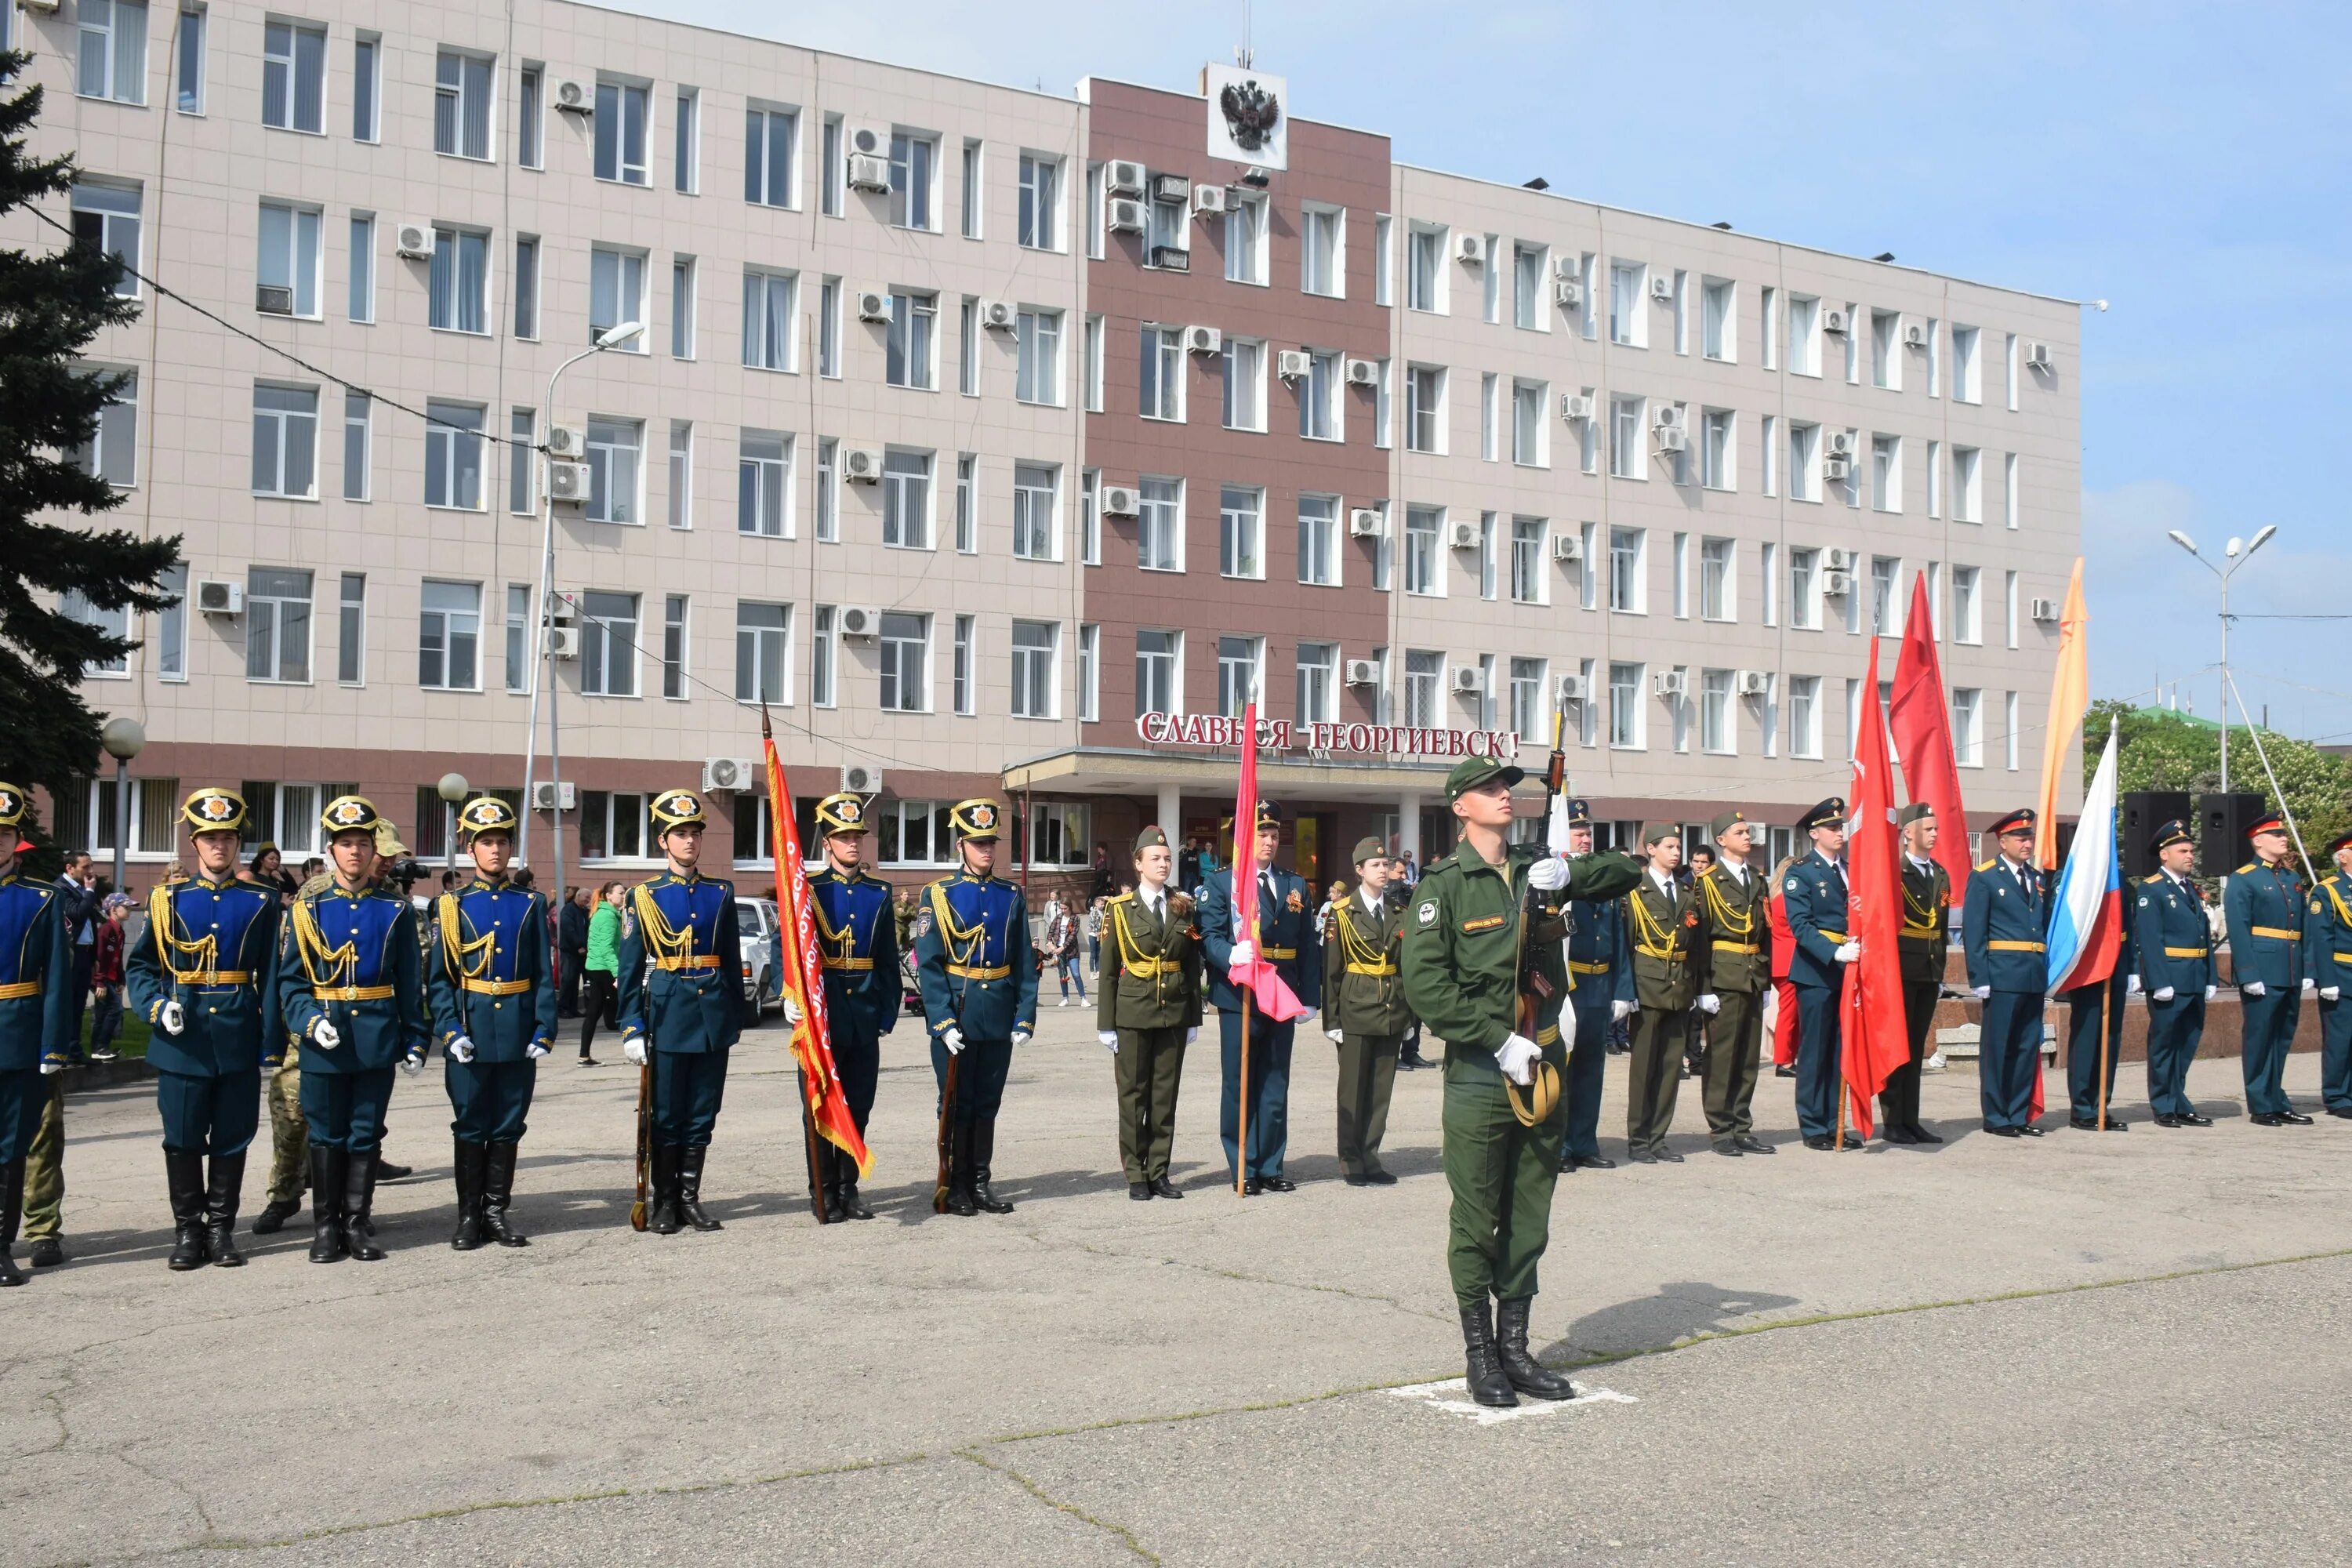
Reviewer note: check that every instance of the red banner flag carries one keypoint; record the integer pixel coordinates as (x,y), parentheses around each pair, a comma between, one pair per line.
(1876,1039)
(1259,977)
(804,977)
(1921,724)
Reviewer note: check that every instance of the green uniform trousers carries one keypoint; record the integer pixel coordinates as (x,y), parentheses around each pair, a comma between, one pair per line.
(1655,1081)
(1149,1069)
(45,1168)
(1501,1175)
(289,1135)
(1367,1064)
(1735,1045)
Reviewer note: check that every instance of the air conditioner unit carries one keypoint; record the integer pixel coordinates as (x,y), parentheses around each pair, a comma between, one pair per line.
(546,795)
(1203,340)
(1567,293)
(1661,288)
(1575,406)
(999,315)
(1567,547)
(860,778)
(1363,672)
(1839,560)
(567,483)
(2044,609)
(414,241)
(1171,188)
(1840,442)
(1667,416)
(2037,357)
(575,97)
(869,141)
(561,641)
(1837,466)
(1470,248)
(1463,536)
(873,305)
(1466,679)
(1832,318)
(273,299)
(861,464)
(1915,336)
(1169,258)
(867,172)
(1363,372)
(1127,216)
(1125,177)
(860,623)
(1669,682)
(1211,199)
(1120,501)
(216,597)
(565,442)
(1572,689)
(1672,438)
(740,774)
(1837,584)
(1294,363)
(1366,522)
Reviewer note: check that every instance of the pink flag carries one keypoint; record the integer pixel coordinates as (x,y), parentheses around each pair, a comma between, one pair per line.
(1259,977)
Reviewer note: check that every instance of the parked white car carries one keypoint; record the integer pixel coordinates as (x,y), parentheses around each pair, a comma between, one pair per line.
(755,924)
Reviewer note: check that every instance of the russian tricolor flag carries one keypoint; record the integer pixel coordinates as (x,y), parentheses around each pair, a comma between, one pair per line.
(2087,917)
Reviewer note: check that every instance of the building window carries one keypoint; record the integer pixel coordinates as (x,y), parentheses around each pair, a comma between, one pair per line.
(520,656)
(768,321)
(1717,325)
(681,473)
(285,441)
(1968,726)
(1160,525)
(911,171)
(763,640)
(1716,450)
(1319,540)
(1036,654)
(1717,559)
(974,188)
(1038,378)
(833,168)
(172,624)
(106,219)
(1162,362)
(1040,226)
(461,106)
(112,451)
(458,281)
(112,62)
(1967,485)
(1089,673)
(74,604)
(824,644)
(188,66)
(1425,408)
(907,499)
(1885,350)
(828,328)
(1487,564)
(1318,397)
(1244,367)
(1715,712)
(277,624)
(1967,610)
(1159,659)
(526,287)
(1628,575)
(1424,527)
(910,341)
(357,408)
(1935,478)
(1628,307)
(360,304)
(1529,710)
(1805,589)
(685,159)
(1425,676)
(614,825)
(1319,685)
(615,449)
(1530,271)
(351,628)
(449,635)
(1241,531)
(521,428)
(530,134)
(1036,500)
(673,642)
(1529,449)
(2009,739)
(617,294)
(905,646)
(763,484)
(1805,716)
(967,504)
(1168,236)
(608,645)
(620,117)
(1237,673)
(2009,498)
(828,490)
(1804,465)
(1885,585)
(769,136)
(1886,473)
(1968,373)
(1424,269)
(681,307)
(1804,335)
(1625,438)
(1935,358)
(1322,250)
(1245,240)
(289,257)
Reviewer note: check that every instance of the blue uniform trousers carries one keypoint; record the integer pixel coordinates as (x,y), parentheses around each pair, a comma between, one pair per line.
(1820,1053)
(2089,1010)
(857,1059)
(214,1116)
(23,1097)
(2173,1030)
(2336,1049)
(2009,1057)
(489,1099)
(687,1088)
(346,1110)
(1585,1062)
(2270,1021)
(1269,1071)
(981,1068)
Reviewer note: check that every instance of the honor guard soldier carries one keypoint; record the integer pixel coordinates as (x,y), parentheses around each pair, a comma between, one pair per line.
(979,977)
(2263,903)
(1147,1010)
(1813,893)
(203,975)
(1364,1006)
(1923,941)
(857,937)
(2327,959)
(35,1016)
(350,990)
(1466,937)
(1285,937)
(2003,920)
(1600,967)
(1662,915)
(2176,971)
(493,991)
(682,999)
(1733,958)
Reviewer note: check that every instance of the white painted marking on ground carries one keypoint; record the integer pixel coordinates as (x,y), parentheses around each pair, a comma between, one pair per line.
(1453,1397)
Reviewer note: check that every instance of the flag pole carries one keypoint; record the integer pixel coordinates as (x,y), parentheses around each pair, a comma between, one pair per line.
(1241,1162)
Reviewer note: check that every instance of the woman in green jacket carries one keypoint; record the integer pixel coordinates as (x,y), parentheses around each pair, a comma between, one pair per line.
(601,967)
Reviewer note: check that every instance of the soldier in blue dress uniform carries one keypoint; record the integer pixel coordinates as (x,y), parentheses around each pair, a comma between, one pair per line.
(2175,949)
(1600,967)
(350,990)
(204,975)
(2003,923)
(2327,961)
(858,936)
(682,999)
(1813,891)
(35,1016)
(979,978)
(493,992)
(2263,903)
(1285,937)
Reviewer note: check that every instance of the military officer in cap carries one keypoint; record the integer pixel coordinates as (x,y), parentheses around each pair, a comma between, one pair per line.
(1661,914)
(1813,893)
(350,990)
(493,990)
(978,972)
(681,1001)
(1147,1010)
(1365,1012)
(2263,903)
(1732,955)
(1286,938)
(2003,920)
(203,975)
(2327,959)
(2174,948)
(1467,934)
(1601,968)
(858,939)
(1923,939)
(35,1016)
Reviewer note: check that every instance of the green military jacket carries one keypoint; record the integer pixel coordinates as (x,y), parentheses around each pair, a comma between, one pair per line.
(1462,945)
(1363,990)
(1926,931)
(1150,976)
(1735,934)
(1663,928)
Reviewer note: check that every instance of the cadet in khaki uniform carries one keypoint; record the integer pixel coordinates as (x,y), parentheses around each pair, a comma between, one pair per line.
(1733,958)
(1662,916)
(1147,1010)
(290,1145)
(1364,1007)
(1463,948)
(1925,939)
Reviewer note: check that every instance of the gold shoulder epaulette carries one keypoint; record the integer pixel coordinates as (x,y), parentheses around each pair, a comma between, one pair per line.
(1986,867)
(2243,869)
(2152,880)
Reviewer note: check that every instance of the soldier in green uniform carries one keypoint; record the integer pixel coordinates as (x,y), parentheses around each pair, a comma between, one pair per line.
(1147,1010)
(1661,917)
(290,1145)
(1924,940)
(1364,1008)
(1733,957)
(1466,936)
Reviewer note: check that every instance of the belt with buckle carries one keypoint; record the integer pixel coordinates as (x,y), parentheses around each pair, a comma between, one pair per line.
(19,989)
(1374,969)
(1577,966)
(1738,947)
(2017,947)
(973,971)
(852,964)
(2197,953)
(2273,931)
(352,993)
(500,987)
(693,961)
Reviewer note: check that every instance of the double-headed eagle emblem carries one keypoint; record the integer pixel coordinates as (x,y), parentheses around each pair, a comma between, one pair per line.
(1251,114)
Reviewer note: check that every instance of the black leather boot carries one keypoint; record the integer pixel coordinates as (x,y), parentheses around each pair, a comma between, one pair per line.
(1528,1375)
(221,1195)
(689,1190)
(498,1193)
(468,1159)
(11,1213)
(828,1182)
(1488,1384)
(983,1153)
(184,1175)
(326,1203)
(960,1198)
(846,1169)
(359,1206)
(662,1219)
(275,1213)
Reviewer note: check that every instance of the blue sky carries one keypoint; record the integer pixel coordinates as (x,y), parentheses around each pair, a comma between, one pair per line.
(2187,164)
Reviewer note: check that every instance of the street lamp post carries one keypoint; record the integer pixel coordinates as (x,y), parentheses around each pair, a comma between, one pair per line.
(452,790)
(123,740)
(2237,554)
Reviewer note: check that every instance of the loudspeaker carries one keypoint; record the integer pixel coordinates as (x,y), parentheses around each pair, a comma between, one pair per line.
(2221,824)
(2145,811)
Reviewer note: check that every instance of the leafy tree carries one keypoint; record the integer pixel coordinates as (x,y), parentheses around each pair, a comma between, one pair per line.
(2163,750)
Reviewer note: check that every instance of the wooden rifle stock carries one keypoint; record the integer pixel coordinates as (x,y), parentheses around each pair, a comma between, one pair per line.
(645,1139)
(947,1135)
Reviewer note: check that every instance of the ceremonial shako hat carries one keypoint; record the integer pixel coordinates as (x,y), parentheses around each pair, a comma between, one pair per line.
(1657,830)
(975,821)
(212,809)
(1371,849)
(843,813)
(1268,812)
(487,814)
(1915,811)
(2018,821)
(12,806)
(349,814)
(1580,812)
(2268,822)
(676,808)
(1827,814)
(1150,839)
(1727,822)
(1475,773)
(2173,832)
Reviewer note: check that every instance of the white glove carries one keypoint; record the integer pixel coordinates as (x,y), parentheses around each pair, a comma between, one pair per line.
(1191,1033)
(1620,1011)
(1710,1004)
(413,1063)
(1518,1055)
(1244,952)
(1110,1040)
(1020,1037)
(2164,993)
(49,1066)
(2309,985)
(535,1050)
(460,1050)
(792,1013)
(635,1049)
(1548,875)
(1983,992)
(325,1035)
(2252,988)
(2212,991)
(952,1039)
(2131,984)
(1336,1036)
(2330,993)
(173,1017)
(1849,952)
